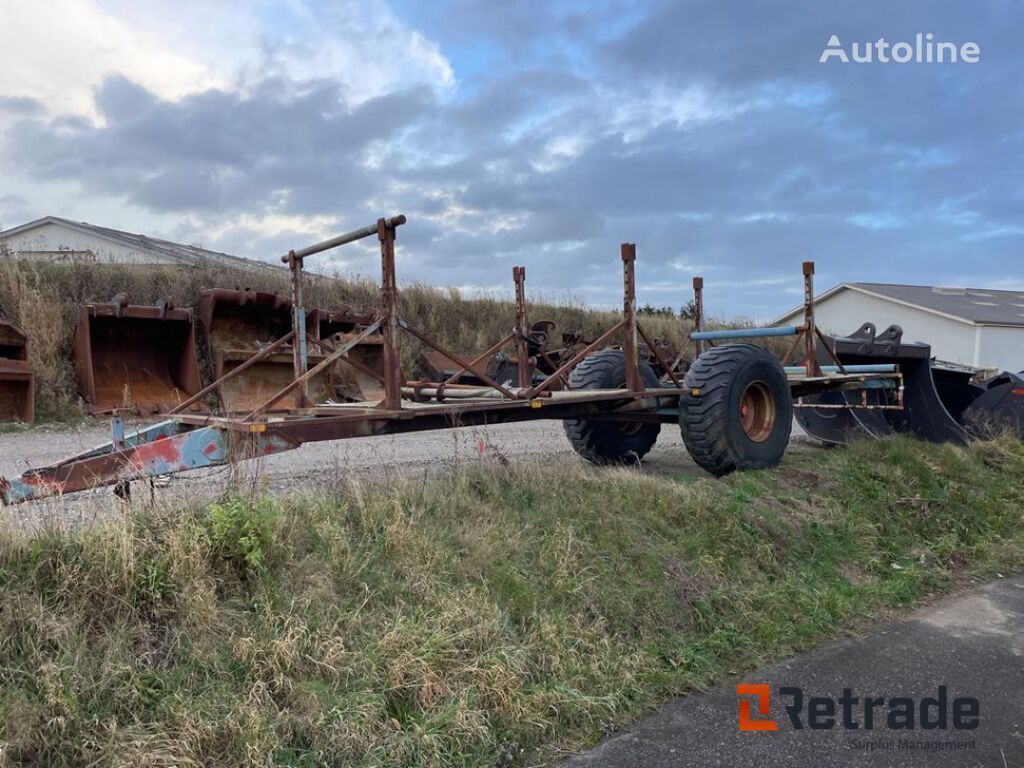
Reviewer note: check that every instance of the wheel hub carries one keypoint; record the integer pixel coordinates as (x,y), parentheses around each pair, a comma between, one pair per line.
(757,412)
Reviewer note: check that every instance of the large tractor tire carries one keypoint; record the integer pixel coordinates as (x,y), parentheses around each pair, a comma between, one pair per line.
(610,442)
(738,410)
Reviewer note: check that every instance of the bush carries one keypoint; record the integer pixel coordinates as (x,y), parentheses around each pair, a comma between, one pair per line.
(241,533)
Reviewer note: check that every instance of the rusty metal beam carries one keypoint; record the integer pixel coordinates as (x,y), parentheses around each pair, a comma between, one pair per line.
(810,336)
(634,382)
(698,312)
(319,368)
(479,358)
(829,348)
(389,317)
(348,237)
(350,361)
(454,358)
(537,389)
(299,351)
(260,355)
(522,347)
(657,356)
(791,350)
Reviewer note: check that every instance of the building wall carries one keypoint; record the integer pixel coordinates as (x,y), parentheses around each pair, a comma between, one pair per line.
(1001,347)
(53,242)
(844,312)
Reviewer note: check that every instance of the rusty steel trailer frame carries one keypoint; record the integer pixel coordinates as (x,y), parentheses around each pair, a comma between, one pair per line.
(188,441)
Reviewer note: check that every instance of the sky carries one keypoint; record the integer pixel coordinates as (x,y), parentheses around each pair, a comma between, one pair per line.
(534,133)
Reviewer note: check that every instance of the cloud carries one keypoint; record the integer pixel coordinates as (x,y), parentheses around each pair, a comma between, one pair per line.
(531,134)
(55,52)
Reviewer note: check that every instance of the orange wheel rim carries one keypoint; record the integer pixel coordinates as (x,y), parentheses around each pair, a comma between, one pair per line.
(757,412)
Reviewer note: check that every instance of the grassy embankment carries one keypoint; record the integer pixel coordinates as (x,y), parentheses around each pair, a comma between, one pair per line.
(44,300)
(473,618)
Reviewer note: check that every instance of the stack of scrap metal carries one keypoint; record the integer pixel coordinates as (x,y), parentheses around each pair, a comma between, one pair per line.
(17,381)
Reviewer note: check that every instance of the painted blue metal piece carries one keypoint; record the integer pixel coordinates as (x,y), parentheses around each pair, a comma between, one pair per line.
(144,435)
(878,384)
(745,333)
(117,431)
(171,448)
(300,323)
(15,491)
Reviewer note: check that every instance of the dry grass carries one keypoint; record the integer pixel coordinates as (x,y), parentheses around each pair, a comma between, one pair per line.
(468,619)
(44,300)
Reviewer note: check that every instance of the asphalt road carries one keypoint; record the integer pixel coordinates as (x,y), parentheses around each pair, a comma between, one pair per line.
(972,644)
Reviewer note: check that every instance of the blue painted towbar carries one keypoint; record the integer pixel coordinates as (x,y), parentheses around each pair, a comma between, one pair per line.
(745,333)
(158,450)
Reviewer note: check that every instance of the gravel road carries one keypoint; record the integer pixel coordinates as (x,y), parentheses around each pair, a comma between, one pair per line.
(316,464)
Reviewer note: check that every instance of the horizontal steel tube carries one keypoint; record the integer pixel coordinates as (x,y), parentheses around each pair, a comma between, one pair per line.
(745,333)
(450,393)
(874,368)
(348,237)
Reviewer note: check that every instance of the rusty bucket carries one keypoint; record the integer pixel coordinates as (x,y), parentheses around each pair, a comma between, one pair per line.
(135,357)
(360,376)
(239,323)
(17,381)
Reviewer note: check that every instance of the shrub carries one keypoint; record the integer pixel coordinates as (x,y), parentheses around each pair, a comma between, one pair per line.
(241,534)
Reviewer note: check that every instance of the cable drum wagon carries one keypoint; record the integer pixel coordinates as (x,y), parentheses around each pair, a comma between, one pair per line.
(734,405)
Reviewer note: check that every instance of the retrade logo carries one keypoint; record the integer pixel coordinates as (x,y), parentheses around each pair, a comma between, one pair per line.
(850,712)
(762,695)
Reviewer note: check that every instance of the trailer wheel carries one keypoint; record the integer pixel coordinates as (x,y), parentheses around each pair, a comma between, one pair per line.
(609,442)
(738,411)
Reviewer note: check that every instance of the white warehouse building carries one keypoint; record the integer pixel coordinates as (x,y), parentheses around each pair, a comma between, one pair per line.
(977,327)
(61,240)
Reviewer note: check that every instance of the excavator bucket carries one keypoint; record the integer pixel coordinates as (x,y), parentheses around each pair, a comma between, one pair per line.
(934,398)
(239,323)
(360,376)
(17,381)
(999,407)
(132,357)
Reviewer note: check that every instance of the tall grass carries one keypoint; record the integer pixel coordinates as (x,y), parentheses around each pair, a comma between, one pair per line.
(466,620)
(44,298)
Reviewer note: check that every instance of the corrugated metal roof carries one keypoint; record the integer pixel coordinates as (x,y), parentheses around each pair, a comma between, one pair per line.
(976,306)
(983,306)
(190,255)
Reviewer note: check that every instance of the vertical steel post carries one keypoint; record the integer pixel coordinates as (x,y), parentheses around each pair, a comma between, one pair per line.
(629,347)
(519,276)
(389,309)
(698,311)
(810,339)
(298,326)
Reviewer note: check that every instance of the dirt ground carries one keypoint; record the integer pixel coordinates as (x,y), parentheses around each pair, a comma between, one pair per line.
(315,465)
